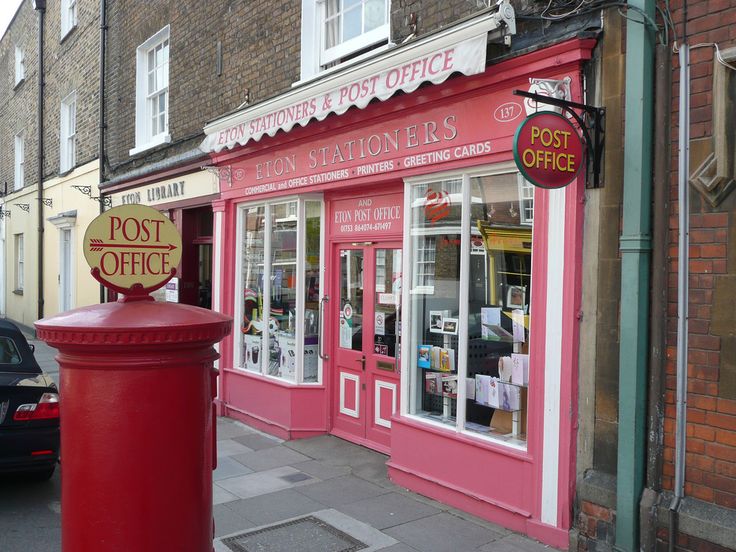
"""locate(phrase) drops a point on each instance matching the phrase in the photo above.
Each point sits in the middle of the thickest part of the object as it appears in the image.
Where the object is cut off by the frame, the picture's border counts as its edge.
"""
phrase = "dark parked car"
(29, 409)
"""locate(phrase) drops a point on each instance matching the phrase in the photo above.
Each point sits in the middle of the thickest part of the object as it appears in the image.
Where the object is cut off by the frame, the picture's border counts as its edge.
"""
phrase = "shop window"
(68, 16)
(280, 278)
(20, 161)
(20, 65)
(152, 92)
(468, 348)
(345, 29)
(68, 134)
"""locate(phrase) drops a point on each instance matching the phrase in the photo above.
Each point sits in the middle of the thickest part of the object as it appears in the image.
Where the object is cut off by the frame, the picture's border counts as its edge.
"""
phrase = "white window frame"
(315, 59)
(19, 174)
(20, 65)
(144, 139)
(68, 16)
(408, 353)
(19, 247)
(526, 200)
(68, 133)
(300, 283)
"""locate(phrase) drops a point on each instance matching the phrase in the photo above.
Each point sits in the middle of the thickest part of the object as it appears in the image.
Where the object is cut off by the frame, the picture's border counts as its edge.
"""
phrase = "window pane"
(387, 302)
(311, 290)
(434, 304)
(282, 331)
(351, 299)
(352, 23)
(499, 298)
(252, 278)
(375, 14)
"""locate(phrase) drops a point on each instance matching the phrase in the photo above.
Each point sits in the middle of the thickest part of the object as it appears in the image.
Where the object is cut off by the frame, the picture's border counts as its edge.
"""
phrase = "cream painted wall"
(22, 306)
(66, 199)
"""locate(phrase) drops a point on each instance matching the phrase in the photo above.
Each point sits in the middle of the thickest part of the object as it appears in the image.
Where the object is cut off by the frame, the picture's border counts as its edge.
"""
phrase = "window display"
(280, 303)
(472, 324)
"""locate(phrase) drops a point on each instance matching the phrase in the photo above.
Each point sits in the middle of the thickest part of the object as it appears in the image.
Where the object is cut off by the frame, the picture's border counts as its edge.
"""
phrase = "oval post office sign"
(548, 150)
(132, 249)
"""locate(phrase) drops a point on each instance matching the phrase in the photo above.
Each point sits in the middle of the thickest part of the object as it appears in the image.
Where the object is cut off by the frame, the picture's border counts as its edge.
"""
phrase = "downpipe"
(40, 7)
(683, 239)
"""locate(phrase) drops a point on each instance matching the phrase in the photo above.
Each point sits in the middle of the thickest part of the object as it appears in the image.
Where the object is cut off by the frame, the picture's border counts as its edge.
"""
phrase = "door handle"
(321, 326)
(362, 361)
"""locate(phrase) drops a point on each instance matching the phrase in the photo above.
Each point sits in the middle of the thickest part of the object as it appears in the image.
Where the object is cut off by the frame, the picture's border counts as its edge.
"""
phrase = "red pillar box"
(137, 420)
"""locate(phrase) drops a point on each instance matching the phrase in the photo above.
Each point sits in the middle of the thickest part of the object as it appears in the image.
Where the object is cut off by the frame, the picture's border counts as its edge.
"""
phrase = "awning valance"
(459, 49)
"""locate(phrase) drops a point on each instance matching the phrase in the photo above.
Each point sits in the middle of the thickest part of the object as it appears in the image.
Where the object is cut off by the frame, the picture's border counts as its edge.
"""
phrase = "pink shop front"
(382, 264)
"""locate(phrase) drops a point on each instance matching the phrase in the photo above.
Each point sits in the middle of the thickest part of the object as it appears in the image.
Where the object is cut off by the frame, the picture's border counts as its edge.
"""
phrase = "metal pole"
(635, 246)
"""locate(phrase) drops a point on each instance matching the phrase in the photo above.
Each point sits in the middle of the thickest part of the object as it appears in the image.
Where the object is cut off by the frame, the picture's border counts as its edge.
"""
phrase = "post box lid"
(140, 322)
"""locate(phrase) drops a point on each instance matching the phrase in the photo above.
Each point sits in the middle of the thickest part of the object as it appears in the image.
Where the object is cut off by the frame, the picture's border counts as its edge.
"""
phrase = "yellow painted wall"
(66, 199)
(22, 305)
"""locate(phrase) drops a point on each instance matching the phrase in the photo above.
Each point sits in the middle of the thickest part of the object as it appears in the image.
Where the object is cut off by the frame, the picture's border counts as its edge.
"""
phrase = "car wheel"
(43, 475)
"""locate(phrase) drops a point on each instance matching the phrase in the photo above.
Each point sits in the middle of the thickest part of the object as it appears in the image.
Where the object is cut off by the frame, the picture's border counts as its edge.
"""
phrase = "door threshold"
(378, 447)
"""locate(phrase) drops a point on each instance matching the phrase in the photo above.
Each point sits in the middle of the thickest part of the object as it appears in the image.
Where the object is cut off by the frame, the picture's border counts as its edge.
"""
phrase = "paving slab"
(273, 507)
(230, 447)
(388, 510)
(228, 467)
(227, 521)
(320, 470)
(268, 458)
(220, 495)
(443, 533)
(515, 543)
(257, 441)
(341, 490)
(259, 483)
(230, 429)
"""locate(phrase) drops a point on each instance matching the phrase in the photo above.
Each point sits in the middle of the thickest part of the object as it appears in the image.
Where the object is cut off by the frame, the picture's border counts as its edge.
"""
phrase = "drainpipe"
(40, 7)
(683, 238)
(101, 153)
(635, 246)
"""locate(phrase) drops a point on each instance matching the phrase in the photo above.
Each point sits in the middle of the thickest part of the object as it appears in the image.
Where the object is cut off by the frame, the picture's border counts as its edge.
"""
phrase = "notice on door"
(367, 215)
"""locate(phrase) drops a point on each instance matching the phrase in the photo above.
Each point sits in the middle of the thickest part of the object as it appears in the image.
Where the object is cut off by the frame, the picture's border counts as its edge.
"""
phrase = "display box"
(252, 352)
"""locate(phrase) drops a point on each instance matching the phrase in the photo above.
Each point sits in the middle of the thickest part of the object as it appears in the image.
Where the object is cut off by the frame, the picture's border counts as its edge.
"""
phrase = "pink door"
(365, 312)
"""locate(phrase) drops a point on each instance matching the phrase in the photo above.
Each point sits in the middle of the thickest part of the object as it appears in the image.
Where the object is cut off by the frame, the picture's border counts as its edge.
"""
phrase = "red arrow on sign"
(97, 245)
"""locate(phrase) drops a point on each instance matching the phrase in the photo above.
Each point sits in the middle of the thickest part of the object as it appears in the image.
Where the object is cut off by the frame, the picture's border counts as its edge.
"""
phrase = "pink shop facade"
(395, 282)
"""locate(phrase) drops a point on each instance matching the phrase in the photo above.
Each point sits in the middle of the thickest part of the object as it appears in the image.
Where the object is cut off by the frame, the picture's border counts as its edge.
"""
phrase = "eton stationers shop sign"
(132, 249)
(548, 150)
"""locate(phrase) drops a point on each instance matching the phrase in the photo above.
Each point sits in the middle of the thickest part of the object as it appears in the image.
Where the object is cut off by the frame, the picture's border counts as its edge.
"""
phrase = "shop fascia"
(181, 188)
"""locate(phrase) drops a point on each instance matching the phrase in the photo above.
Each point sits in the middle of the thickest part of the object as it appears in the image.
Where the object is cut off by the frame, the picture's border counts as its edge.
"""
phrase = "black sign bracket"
(591, 121)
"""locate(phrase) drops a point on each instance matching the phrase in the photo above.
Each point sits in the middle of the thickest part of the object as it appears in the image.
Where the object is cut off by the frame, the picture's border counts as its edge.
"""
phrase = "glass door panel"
(351, 299)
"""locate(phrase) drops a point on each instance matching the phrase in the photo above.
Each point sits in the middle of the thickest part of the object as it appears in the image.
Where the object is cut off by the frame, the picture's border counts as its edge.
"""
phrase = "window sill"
(340, 66)
(17, 292)
(156, 141)
(68, 32)
(17, 84)
(65, 172)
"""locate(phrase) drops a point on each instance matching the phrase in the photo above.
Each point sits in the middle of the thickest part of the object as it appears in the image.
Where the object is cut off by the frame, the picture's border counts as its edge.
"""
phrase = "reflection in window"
(496, 248)
(253, 287)
(435, 241)
(280, 305)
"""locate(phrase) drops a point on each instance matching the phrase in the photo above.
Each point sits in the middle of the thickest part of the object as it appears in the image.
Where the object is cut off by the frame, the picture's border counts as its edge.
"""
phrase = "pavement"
(322, 494)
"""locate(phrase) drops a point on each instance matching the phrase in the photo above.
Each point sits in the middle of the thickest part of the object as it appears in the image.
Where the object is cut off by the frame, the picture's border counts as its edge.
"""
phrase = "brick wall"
(260, 54)
(18, 103)
(711, 413)
(71, 64)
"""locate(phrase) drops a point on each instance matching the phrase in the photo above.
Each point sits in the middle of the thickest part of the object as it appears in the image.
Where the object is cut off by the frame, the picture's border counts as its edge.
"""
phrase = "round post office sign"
(548, 150)
(132, 249)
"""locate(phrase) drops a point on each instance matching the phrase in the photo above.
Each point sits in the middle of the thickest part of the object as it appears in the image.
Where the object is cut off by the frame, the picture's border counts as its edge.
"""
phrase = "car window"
(8, 351)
